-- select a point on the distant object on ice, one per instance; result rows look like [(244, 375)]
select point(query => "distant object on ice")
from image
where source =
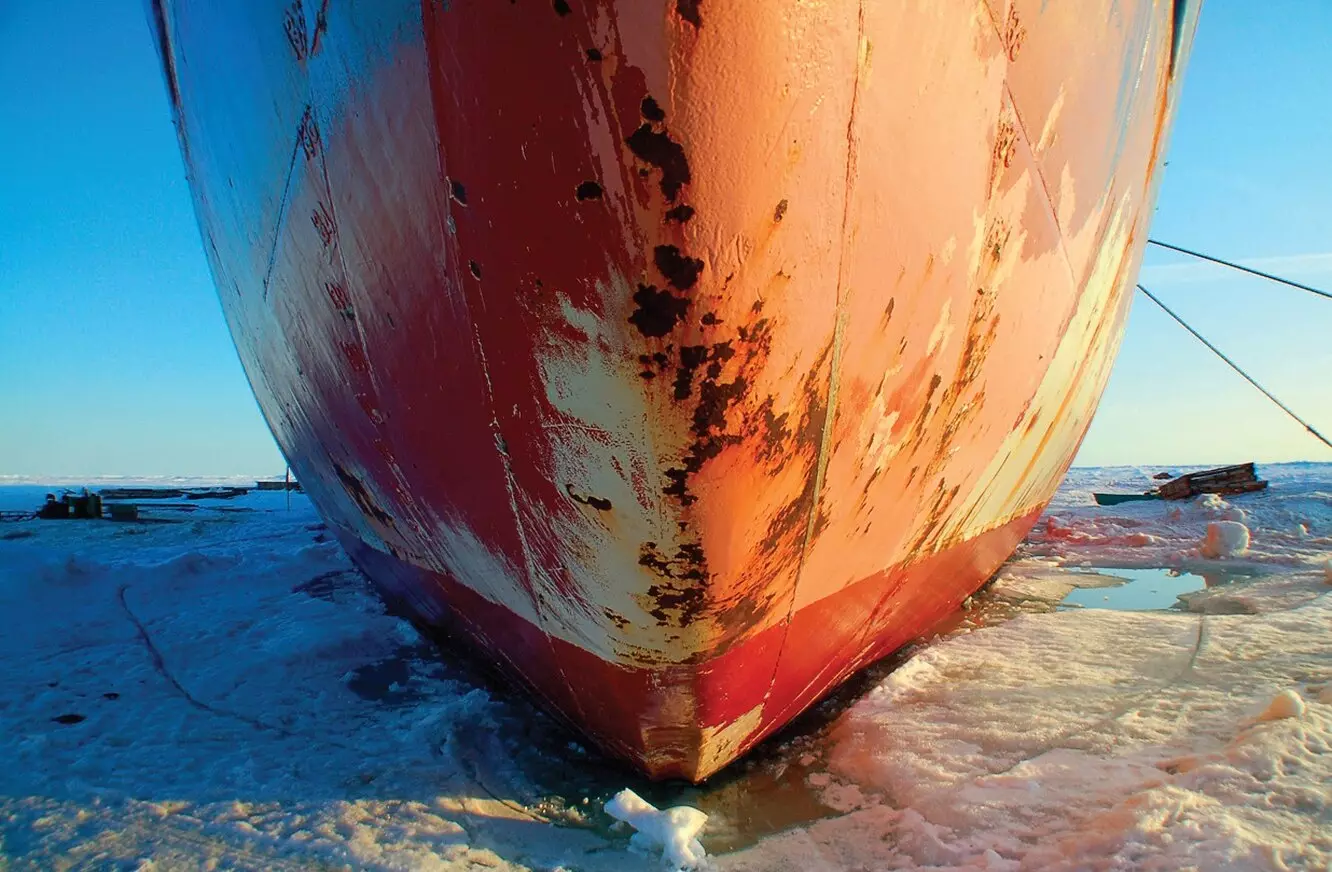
[(1228, 480)]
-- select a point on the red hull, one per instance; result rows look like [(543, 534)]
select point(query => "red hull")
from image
[(683, 356), (623, 708)]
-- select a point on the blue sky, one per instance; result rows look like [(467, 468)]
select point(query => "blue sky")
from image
[(1250, 178), (114, 358)]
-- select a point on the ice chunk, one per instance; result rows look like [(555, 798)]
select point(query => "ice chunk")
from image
[(1327, 571), (673, 831), (1286, 704), (1225, 539)]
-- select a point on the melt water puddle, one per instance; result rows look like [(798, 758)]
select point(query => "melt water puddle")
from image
[(1148, 589)]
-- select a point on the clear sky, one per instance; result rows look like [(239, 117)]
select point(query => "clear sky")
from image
[(114, 358)]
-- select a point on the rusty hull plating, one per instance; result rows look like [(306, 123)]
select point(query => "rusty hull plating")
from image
[(683, 356)]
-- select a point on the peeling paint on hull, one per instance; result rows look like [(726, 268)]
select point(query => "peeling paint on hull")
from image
[(682, 357)]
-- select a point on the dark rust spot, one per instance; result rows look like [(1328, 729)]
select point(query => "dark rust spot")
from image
[(598, 503), (475, 268), (710, 425), (710, 415), (651, 111), (691, 358), (678, 599), (68, 719), (775, 432), (458, 192), (357, 491), (710, 319), (678, 487), (664, 153), (680, 214), (780, 212), (588, 191), (649, 556), (562, 7), (594, 54), (680, 270), (112, 696), (658, 311), (688, 10)]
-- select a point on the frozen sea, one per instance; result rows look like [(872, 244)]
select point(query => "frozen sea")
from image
[(216, 688)]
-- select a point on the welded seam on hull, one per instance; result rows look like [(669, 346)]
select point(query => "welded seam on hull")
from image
[(283, 203), (1035, 159), (511, 487), (1022, 129), (310, 116), (431, 52), (358, 324), (1047, 198), (342, 258), (1054, 217), (825, 438), (830, 413)]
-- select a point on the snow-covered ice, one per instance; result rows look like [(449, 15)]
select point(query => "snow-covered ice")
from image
[(671, 833), (1225, 539), (223, 690)]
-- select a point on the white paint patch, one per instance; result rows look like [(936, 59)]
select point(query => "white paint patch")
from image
[(1067, 197), (490, 575), (943, 329), (949, 249), (880, 447), (720, 744), (602, 435), (1049, 130), (1026, 470)]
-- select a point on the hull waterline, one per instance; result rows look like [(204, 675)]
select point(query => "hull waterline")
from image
[(682, 357)]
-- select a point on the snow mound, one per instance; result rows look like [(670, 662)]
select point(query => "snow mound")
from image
[(673, 831), (1286, 704), (1225, 539)]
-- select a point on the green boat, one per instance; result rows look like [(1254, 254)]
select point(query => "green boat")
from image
[(1116, 499)]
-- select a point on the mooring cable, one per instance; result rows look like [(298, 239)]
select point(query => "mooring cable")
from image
[(1254, 272), (1305, 424)]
